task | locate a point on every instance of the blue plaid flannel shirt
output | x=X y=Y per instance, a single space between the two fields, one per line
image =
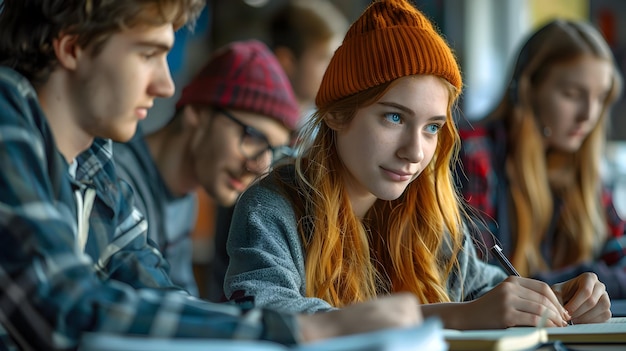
x=53 y=286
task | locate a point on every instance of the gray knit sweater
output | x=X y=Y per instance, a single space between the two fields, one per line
x=267 y=257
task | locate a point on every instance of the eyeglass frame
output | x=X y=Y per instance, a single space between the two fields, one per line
x=250 y=131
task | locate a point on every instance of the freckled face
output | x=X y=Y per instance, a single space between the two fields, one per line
x=389 y=143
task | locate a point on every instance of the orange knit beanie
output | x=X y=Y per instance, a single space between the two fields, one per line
x=391 y=39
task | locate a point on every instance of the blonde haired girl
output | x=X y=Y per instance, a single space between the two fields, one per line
x=532 y=166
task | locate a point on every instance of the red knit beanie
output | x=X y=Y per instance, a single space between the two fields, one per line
x=244 y=75
x=391 y=39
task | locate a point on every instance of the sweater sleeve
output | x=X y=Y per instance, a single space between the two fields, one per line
x=266 y=254
x=474 y=277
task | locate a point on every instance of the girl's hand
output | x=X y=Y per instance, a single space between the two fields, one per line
x=585 y=298
x=516 y=301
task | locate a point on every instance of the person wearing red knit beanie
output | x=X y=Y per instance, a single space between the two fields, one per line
x=232 y=120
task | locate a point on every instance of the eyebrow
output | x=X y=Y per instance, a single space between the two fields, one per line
x=439 y=118
x=409 y=111
x=153 y=44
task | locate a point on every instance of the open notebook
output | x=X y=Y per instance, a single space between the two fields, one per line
x=528 y=338
x=613 y=331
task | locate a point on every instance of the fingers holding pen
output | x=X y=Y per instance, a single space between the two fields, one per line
x=519 y=302
x=544 y=292
x=537 y=299
x=540 y=299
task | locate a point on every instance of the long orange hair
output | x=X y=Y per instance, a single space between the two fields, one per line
x=582 y=226
x=398 y=245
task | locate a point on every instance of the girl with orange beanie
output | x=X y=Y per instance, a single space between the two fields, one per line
x=369 y=206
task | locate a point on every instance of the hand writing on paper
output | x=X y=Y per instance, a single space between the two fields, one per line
x=518 y=302
x=585 y=298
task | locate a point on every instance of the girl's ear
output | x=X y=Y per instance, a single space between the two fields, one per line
x=333 y=122
x=67 y=51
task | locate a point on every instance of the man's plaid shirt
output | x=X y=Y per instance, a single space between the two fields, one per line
x=52 y=287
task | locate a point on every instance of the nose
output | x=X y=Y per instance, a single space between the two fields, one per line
x=412 y=149
x=162 y=84
x=589 y=110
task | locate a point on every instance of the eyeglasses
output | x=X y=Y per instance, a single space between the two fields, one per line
x=254 y=144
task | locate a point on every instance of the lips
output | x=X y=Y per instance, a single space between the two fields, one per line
x=398 y=175
x=141 y=113
x=401 y=173
x=237 y=184
x=578 y=133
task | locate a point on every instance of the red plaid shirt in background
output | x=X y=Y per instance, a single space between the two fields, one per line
x=481 y=179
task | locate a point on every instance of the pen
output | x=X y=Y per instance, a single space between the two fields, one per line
x=506 y=264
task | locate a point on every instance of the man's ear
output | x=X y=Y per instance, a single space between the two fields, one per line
x=287 y=60
x=67 y=50
x=191 y=117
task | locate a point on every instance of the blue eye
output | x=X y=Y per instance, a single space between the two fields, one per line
x=433 y=128
x=393 y=117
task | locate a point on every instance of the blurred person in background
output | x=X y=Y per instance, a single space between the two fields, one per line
x=531 y=168
x=304 y=35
